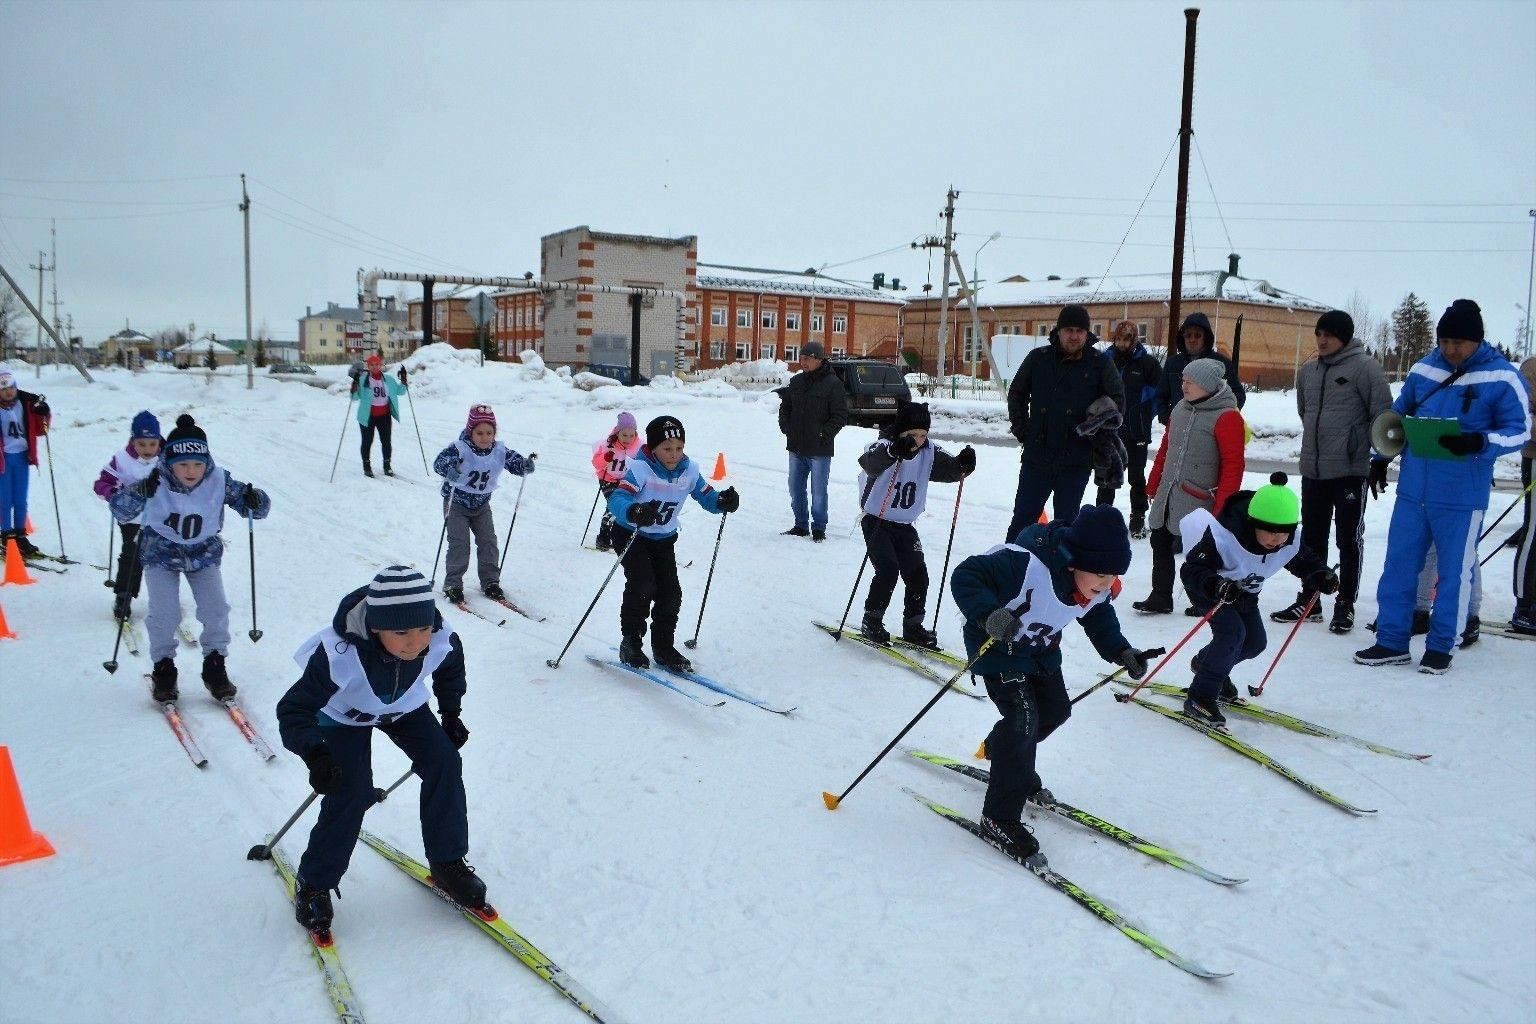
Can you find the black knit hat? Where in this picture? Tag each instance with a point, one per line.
(1073, 316)
(1097, 540)
(1337, 323)
(1461, 319)
(911, 416)
(664, 428)
(187, 441)
(399, 597)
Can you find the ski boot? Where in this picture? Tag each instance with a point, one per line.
(632, 654)
(163, 678)
(1042, 797)
(1524, 620)
(1296, 609)
(1435, 663)
(669, 657)
(1205, 714)
(912, 632)
(28, 549)
(494, 592)
(873, 628)
(1473, 633)
(1343, 617)
(455, 595)
(122, 606)
(459, 881)
(605, 534)
(216, 679)
(312, 908)
(367, 468)
(1154, 604)
(1013, 836)
(1380, 654)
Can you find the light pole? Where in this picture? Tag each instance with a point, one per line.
(975, 284)
(1530, 277)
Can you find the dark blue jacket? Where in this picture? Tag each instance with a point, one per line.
(984, 583)
(1172, 379)
(1140, 373)
(1049, 399)
(299, 720)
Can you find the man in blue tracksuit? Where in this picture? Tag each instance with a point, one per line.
(1441, 500)
(1023, 595)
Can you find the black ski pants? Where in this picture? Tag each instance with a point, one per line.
(1136, 476)
(895, 550)
(1033, 706)
(1525, 554)
(1237, 634)
(444, 817)
(651, 587)
(1339, 502)
(1164, 543)
(382, 425)
(130, 571)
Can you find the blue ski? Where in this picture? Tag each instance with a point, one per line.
(659, 680)
(710, 684)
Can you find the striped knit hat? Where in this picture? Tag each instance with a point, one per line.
(399, 598)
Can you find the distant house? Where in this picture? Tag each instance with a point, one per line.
(451, 321)
(335, 333)
(194, 354)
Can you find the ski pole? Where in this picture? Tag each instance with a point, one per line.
(953, 522)
(555, 662)
(1117, 673)
(263, 851)
(590, 514)
(109, 582)
(111, 665)
(691, 644)
(380, 795)
(340, 441)
(1258, 691)
(54, 487)
(250, 524)
(417, 423)
(515, 506)
(1122, 698)
(895, 472)
(432, 580)
(832, 802)
(1480, 537)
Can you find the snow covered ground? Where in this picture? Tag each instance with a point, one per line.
(677, 860)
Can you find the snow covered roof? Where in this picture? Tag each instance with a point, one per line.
(1120, 288)
(128, 334)
(796, 284)
(204, 346)
(382, 314)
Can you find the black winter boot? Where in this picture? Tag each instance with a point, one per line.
(1473, 633)
(1138, 526)
(458, 880)
(216, 679)
(122, 606)
(387, 470)
(494, 592)
(632, 653)
(669, 657)
(163, 678)
(312, 908)
(1154, 604)
(1343, 617)
(455, 595)
(367, 468)
(873, 628)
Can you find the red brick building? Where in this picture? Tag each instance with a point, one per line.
(451, 318)
(743, 317)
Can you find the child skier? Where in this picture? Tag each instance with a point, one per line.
(610, 457)
(24, 417)
(378, 406)
(368, 670)
(1227, 559)
(893, 488)
(470, 468)
(181, 504)
(126, 468)
(649, 500)
(1023, 595)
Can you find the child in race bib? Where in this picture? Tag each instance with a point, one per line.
(471, 467)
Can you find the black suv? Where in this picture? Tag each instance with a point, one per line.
(874, 388)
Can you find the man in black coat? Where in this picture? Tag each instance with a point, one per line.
(1139, 373)
(813, 407)
(1195, 340)
(1047, 401)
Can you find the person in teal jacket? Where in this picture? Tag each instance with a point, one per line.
(1022, 595)
(378, 406)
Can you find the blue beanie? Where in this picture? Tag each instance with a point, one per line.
(399, 598)
(187, 442)
(145, 426)
(1098, 541)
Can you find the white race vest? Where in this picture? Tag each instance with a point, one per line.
(907, 495)
(670, 493)
(130, 470)
(355, 702)
(12, 430)
(380, 392)
(1044, 615)
(479, 473)
(188, 518)
(1239, 565)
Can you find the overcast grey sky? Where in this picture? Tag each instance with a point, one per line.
(1379, 147)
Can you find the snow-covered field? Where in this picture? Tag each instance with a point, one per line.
(678, 860)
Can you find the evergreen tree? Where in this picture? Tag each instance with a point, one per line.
(1413, 333)
(484, 342)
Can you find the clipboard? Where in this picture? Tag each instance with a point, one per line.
(1424, 433)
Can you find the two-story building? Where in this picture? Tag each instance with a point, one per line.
(335, 333)
(771, 316)
(451, 321)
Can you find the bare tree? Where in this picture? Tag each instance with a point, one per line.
(1359, 310)
(10, 312)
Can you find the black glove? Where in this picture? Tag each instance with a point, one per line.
(250, 497)
(354, 385)
(458, 733)
(324, 772)
(1324, 581)
(905, 446)
(400, 375)
(1002, 625)
(645, 513)
(967, 460)
(1225, 591)
(1377, 477)
(150, 484)
(1134, 663)
(729, 500)
(40, 407)
(1463, 444)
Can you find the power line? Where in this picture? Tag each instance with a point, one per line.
(1132, 199)
(322, 233)
(1256, 249)
(108, 202)
(1211, 185)
(119, 216)
(1255, 220)
(116, 181)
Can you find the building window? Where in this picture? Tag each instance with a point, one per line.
(770, 319)
(791, 353)
(791, 321)
(439, 316)
(743, 351)
(838, 352)
(765, 351)
(840, 324)
(717, 316)
(1141, 333)
(971, 349)
(1098, 329)
(717, 351)
(816, 323)
(1043, 330)
(744, 318)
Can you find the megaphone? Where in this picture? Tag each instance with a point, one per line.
(1387, 434)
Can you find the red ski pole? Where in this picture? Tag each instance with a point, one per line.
(1258, 691)
(1122, 697)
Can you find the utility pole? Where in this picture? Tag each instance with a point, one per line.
(250, 347)
(1530, 278)
(40, 267)
(949, 244)
(1186, 132)
(53, 257)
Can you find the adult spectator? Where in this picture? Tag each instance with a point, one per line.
(1524, 620)
(813, 407)
(1139, 373)
(24, 417)
(1443, 493)
(1195, 340)
(1339, 393)
(1047, 401)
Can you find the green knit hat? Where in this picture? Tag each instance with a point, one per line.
(1275, 506)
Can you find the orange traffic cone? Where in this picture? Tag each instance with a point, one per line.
(30, 528)
(5, 629)
(17, 840)
(719, 473)
(15, 565)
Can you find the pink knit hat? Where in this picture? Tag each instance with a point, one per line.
(480, 414)
(626, 422)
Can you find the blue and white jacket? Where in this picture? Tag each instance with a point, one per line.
(648, 480)
(158, 551)
(1487, 397)
(449, 465)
